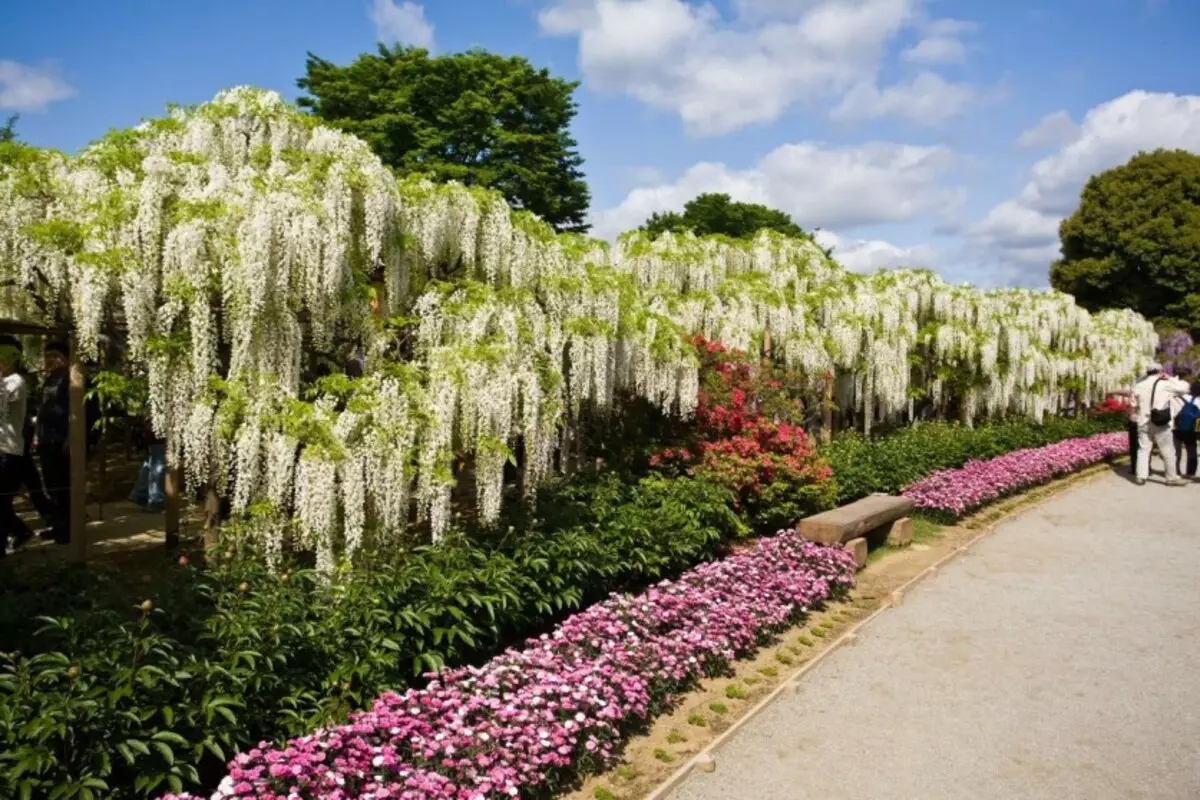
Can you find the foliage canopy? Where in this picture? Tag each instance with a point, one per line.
(477, 118)
(1134, 242)
(712, 213)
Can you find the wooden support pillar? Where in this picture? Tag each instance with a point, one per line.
(77, 448)
(172, 486)
(212, 518)
(827, 409)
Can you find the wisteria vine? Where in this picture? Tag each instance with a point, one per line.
(229, 240)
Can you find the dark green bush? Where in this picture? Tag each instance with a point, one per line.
(113, 690)
(889, 463)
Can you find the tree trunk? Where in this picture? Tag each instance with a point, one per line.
(77, 449)
(827, 410)
(172, 485)
(212, 518)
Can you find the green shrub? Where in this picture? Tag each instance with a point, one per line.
(129, 691)
(889, 463)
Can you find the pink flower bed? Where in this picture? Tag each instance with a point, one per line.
(954, 492)
(536, 717)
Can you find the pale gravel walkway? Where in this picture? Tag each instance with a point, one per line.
(1058, 659)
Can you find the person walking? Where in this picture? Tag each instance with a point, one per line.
(14, 393)
(1131, 424)
(1186, 415)
(51, 438)
(31, 478)
(1131, 428)
(149, 491)
(1152, 396)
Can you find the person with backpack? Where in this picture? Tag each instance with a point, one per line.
(1187, 423)
(1152, 396)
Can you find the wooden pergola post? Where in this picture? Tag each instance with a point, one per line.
(77, 445)
(172, 483)
(827, 409)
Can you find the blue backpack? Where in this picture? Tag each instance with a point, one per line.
(1188, 416)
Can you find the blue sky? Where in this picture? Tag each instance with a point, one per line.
(953, 134)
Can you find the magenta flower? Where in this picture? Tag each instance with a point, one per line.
(533, 717)
(954, 492)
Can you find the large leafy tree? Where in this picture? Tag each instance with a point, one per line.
(718, 213)
(474, 117)
(1135, 240)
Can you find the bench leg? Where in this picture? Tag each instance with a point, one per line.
(858, 549)
(900, 533)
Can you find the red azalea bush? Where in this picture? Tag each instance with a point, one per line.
(748, 438)
(1112, 409)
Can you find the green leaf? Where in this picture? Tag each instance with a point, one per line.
(127, 752)
(170, 737)
(165, 751)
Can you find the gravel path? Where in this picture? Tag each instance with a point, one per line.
(1058, 659)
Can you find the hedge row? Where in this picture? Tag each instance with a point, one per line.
(889, 463)
(108, 690)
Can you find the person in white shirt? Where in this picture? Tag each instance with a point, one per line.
(1152, 398)
(13, 394)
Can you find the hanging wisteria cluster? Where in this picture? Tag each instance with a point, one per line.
(235, 240)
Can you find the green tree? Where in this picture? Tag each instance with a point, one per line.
(718, 213)
(474, 117)
(1135, 240)
(8, 133)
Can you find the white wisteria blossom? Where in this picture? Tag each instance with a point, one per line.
(239, 245)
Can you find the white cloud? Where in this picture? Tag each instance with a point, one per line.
(27, 88)
(818, 185)
(928, 99)
(942, 43)
(639, 176)
(869, 255)
(404, 23)
(1021, 234)
(721, 74)
(1055, 129)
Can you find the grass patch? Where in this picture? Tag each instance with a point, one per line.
(804, 640)
(785, 659)
(663, 755)
(818, 632)
(626, 772)
(750, 680)
(675, 737)
(925, 529)
(718, 708)
(770, 672)
(735, 692)
(603, 794)
(697, 720)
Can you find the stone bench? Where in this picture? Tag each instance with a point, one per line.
(880, 515)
